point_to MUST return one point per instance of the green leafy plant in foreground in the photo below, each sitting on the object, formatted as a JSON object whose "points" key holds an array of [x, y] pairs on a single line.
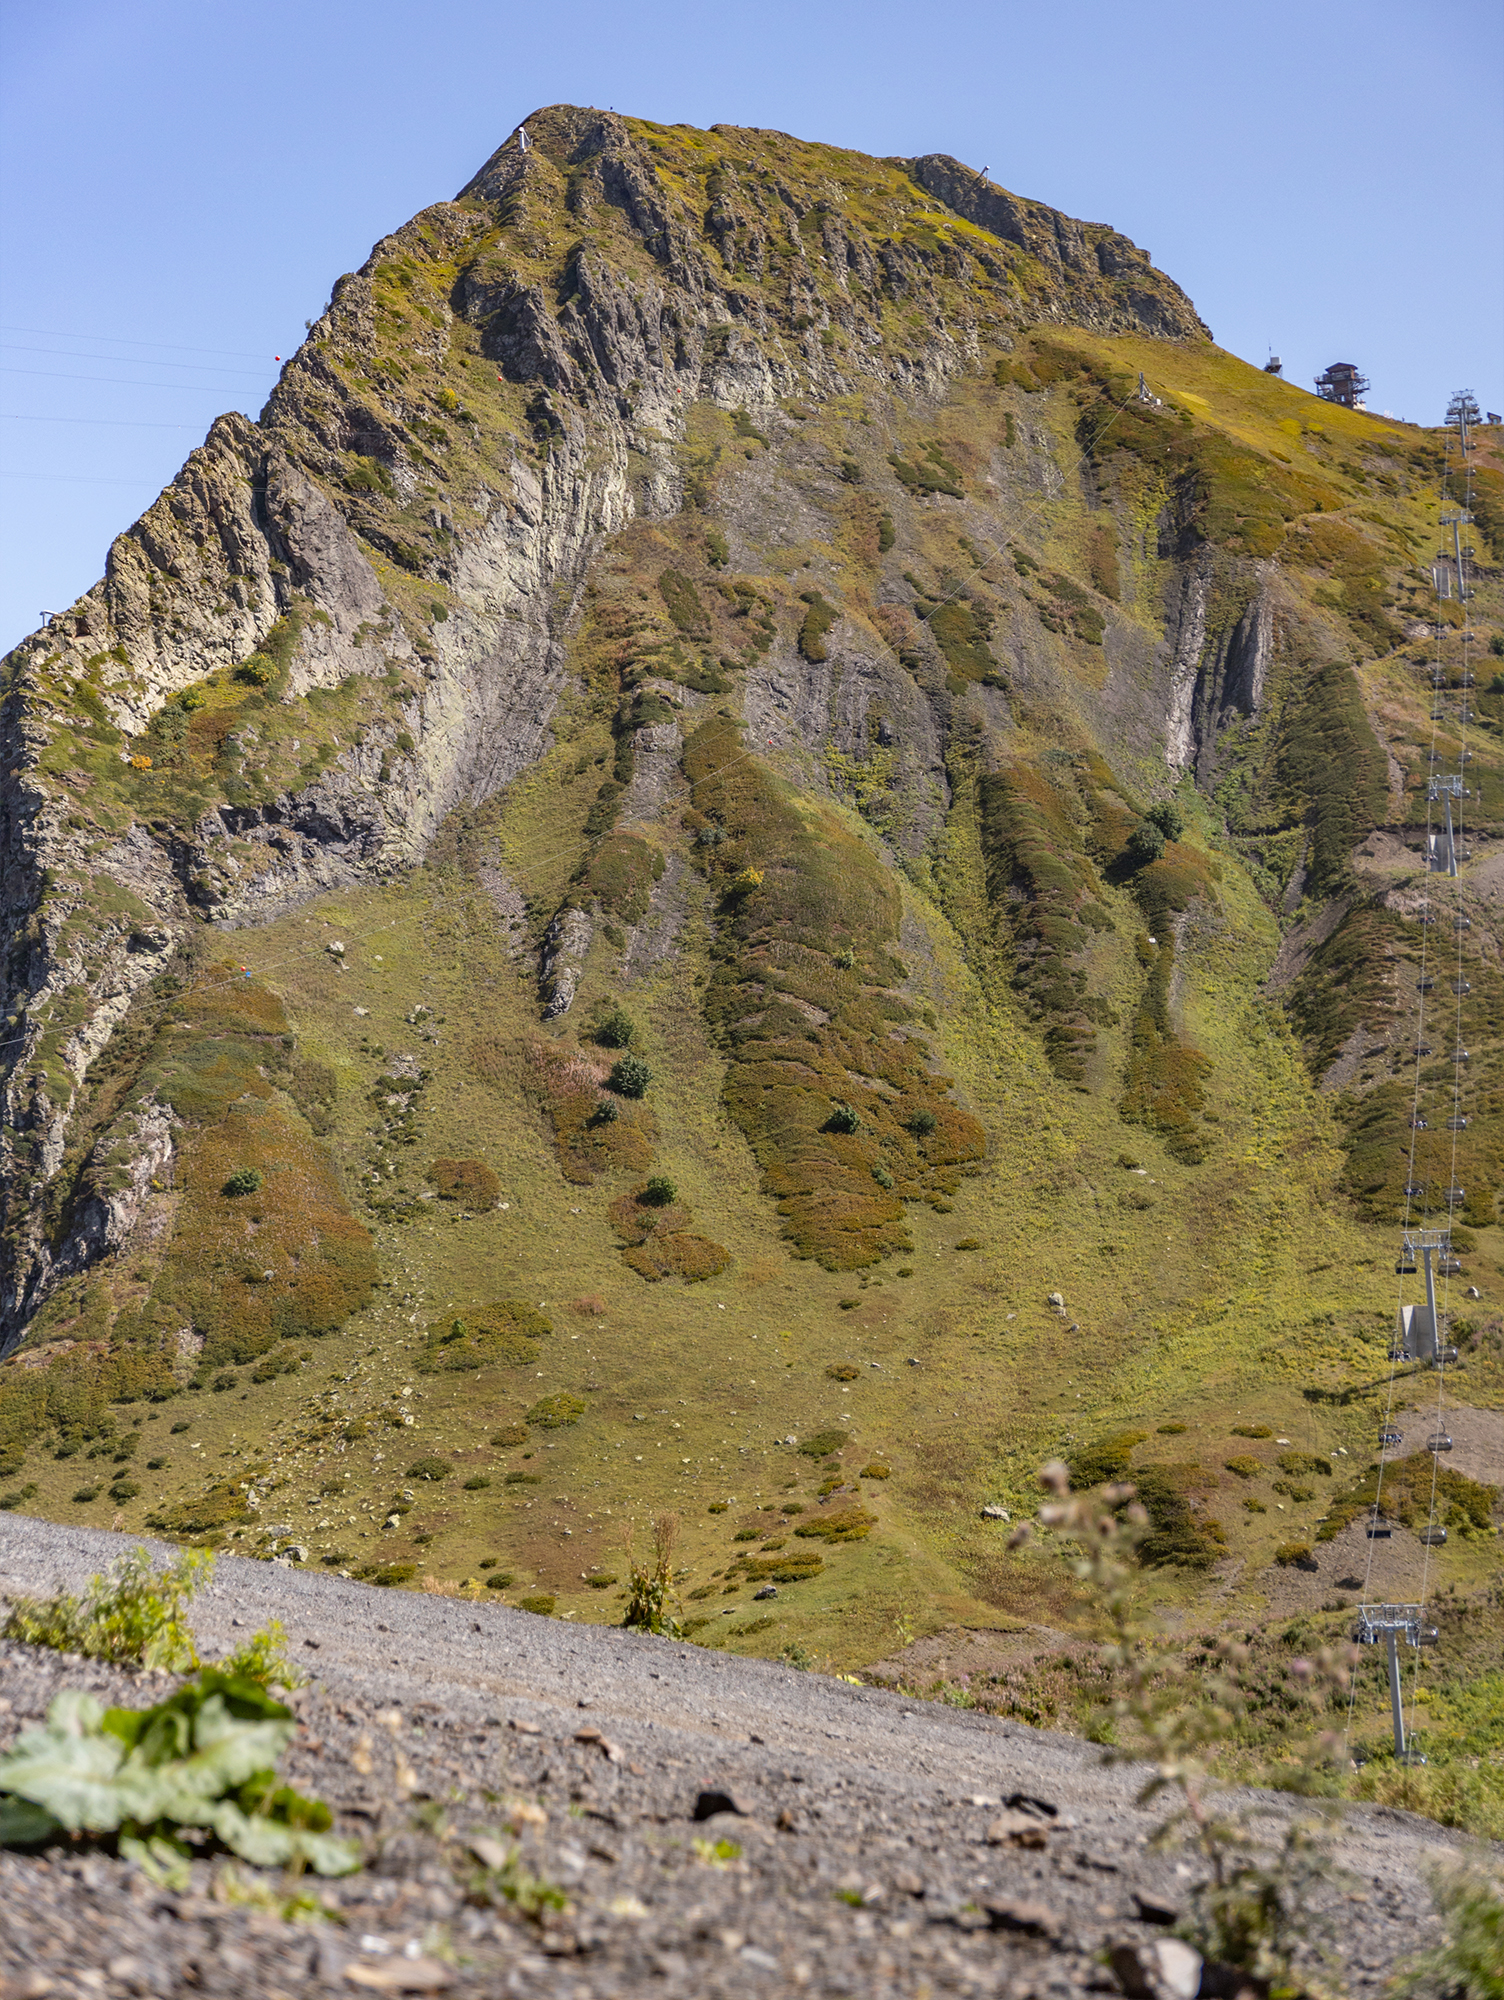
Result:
{"points": [[200, 1764], [1255, 1909], [131, 1616]]}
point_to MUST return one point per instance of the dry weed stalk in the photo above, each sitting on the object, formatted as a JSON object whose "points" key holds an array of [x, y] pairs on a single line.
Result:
{"points": [[1256, 1908]]}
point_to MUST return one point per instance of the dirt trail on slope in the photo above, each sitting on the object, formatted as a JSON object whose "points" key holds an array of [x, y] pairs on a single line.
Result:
{"points": [[864, 1862]]}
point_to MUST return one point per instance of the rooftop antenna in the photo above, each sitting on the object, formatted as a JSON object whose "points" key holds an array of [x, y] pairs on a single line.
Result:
{"points": [[1274, 366]]}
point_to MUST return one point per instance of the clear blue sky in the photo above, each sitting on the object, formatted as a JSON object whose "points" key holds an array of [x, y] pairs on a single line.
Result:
{"points": [[182, 181]]}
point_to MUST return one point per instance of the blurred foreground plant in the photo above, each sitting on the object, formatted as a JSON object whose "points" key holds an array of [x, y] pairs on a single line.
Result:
{"points": [[133, 1615], [1255, 1907], [1469, 1962]]}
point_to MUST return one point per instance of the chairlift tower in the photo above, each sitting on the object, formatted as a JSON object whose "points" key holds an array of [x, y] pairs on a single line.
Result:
{"points": [[1391, 1623], [1419, 1329], [1445, 789]]}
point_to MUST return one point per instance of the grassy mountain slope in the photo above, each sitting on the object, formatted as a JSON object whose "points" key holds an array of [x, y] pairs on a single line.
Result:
{"points": [[714, 580]]}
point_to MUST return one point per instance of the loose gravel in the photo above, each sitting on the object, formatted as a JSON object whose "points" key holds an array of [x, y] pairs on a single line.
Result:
{"points": [[713, 1826]]}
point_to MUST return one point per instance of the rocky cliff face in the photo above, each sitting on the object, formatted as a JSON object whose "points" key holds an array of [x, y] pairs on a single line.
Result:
{"points": [[396, 512], [747, 563]]}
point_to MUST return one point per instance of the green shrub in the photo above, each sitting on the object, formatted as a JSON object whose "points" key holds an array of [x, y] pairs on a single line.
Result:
{"points": [[886, 533], [818, 621], [509, 1435], [970, 1243], [843, 1524], [877, 1470], [630, 1077], [369, 475], [1146, 844], [843, 1118], [1168, 817], [502, 1331], [822, 1442], [263, 1659], [682, 602], [843, 1371], [659, 1192], [1249, 1431], [599, 1581], [1245, 1468], [1294, 1554], [469, 1181], [1107, 1459], [387, 1575], [617, 1030], [432, 1469], [499, 1579], [244, 1180], [1305, 1461], [921, 1122], [1176, 1537], [552, 1413], [932, 472], [542, 1604], [477, 1483], [257, 671]]}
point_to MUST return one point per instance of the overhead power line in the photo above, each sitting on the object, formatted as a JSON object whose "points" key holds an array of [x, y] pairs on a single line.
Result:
{"points": [[123, 340], [130, 360]]}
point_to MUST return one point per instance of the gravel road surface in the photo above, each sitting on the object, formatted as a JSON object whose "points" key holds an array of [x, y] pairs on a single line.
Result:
{"points": [[875, 1849]]}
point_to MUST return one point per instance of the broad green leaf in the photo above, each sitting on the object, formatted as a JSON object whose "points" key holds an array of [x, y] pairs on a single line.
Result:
{"points": [[24, 1825]]}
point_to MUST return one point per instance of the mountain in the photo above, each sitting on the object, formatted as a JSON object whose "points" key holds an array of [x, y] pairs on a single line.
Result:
{"points": [[749, 721]]}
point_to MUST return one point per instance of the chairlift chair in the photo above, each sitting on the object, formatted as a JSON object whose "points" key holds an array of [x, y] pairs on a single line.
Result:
{"points": [[1418, 1123], [1449, 1267], [1415, 1190], [1430, 1635], [1426, 985], [1460, 923], [1456, 1124], [1462, 986], [1441, 1442], [1454, 1197], [1423, 1049], [1379, 1531], [1389, 1437], [1446, 1357], [1461, 1055], [1433, 1538]]}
